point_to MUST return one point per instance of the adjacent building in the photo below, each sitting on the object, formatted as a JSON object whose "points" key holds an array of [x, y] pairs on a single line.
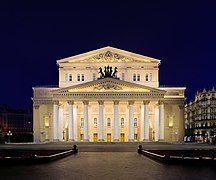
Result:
{"points": [[200, 117], [16, 125], [108, 95]]}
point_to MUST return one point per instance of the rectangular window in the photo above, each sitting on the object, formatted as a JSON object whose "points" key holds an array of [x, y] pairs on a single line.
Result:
{"points": [[70, 77], [134, 77], [122, 122], [150, 76], [82, 122], [108, 122], [78, 77], [146, 77], [135, 122], [138, 77], [94, 76], [95, 122], [123, 76], [66, 77], [82, 77]]}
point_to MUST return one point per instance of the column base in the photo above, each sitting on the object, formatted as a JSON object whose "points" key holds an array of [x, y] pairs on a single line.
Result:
{"points": [[146, 140], [71, 140], [130, 140], [161, 140], [116, 140], [85, 140], [55, 140], [100, 140]]}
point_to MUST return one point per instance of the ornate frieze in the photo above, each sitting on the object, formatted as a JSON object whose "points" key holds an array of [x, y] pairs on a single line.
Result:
{"points": [[108, 56], [108, 87]]}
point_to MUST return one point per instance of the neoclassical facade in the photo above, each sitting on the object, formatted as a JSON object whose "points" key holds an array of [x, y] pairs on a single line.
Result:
{"points": [[108, 95]]}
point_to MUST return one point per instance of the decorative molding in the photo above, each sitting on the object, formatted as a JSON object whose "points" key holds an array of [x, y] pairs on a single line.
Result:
{"points": [[109, 56], [108, 87]]}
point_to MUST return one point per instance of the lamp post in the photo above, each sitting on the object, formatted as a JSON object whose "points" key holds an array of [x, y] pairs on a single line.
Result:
{"points": [[153, 135], [63, 132], [9, 134]]}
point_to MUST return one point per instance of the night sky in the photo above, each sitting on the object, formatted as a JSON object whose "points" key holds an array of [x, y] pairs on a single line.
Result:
{"points": [[33, 35]]}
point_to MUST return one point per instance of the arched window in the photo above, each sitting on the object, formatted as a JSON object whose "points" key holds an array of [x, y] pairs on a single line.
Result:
{"points": [[95, 122], [70, 77], [138, 77], [135, 122], [122, 122], [78, 77], [134, 77], [108, 122]]}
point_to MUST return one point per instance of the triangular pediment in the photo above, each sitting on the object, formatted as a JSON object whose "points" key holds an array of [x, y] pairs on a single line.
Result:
{"points": [[109, 85], [108, 55]]}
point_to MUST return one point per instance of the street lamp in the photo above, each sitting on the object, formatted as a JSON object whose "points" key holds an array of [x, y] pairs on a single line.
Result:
{"points": [[9, 134], [63, 132], [153, 134]]}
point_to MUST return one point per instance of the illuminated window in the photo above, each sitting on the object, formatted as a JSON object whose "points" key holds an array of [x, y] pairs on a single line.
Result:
{"points": [[150, 76], [82, 77], [123, 76], [66, 77], [134, 77], [122, 122], [94, 76], [78, 77], [95, 122], [138, 77], [146, 77], [135, 122], [108, 122], [70, 77], [82, 122]]}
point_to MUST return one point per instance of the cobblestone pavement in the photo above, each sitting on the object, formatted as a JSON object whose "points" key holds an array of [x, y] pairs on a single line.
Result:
{"points": [[106, 166]]}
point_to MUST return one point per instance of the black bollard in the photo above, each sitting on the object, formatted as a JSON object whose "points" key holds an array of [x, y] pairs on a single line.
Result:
{"points": [[139, 150], [75, 149]]}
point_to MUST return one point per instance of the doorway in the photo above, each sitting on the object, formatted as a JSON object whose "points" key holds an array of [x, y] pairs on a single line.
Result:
{"points": [[95, 137], [108, 137], [122, 137]]}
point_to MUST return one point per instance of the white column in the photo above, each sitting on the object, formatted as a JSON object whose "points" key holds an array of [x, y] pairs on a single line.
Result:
{"points": [[161, 121], [75, 122], [86, 120], [101, 121], [142, 123], [131, 121], [146, 120], [70, 121], [61, 124], [55, 122], [116, 123], [156, 123], [36, 123]]}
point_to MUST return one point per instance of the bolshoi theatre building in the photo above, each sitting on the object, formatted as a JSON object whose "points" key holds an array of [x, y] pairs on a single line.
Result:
{"points": [[108, 95]]}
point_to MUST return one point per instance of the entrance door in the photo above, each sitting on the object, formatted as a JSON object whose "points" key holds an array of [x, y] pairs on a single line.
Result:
{"points": [[108, 137], [95, 137], [122, 137]]}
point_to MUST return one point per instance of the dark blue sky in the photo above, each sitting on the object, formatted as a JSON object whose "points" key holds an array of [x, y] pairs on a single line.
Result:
{"points": [[34, 34]]}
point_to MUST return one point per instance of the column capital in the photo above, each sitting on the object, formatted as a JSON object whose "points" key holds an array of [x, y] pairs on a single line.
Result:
{"points": [[56, 102], [146, 102], [70, 102], [85, 102], [116, 102], [36, 106], [100, 102], [131, 102], [160, 102]]}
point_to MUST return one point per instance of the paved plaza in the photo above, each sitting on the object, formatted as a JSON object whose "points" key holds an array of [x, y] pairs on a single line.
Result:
{"points": [[107, 161]]}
